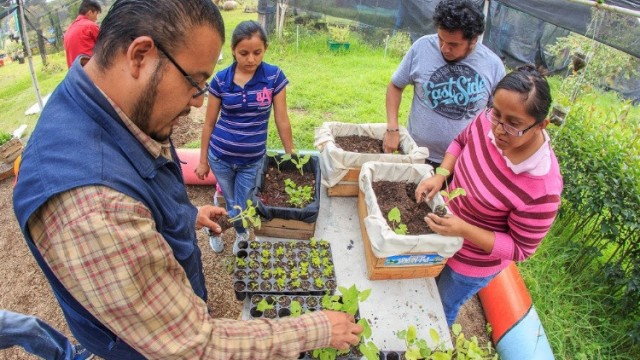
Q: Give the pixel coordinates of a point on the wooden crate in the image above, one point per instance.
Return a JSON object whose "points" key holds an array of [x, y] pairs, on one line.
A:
{"points": [[348, 186], [389, 268], [10, 150], [289, 229], [6, 170]]}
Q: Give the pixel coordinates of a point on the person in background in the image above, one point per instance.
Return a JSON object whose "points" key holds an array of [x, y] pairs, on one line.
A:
{"points": [[509, 171], [81, 36], [453, 76], [104, 209], [38, 338], [234, 135]]}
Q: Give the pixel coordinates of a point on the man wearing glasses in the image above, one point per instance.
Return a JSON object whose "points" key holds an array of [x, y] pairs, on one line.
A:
{"points": [[102, 204]]}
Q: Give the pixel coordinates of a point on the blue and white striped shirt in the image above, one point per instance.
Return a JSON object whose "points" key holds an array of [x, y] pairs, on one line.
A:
{"points": [[240, 134]]}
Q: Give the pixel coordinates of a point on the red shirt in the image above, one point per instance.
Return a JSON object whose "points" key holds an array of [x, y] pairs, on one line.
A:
{"points": [[80, 38]]}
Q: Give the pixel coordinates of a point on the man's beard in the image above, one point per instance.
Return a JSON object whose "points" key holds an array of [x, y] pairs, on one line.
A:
{"points": [[141, 115]]}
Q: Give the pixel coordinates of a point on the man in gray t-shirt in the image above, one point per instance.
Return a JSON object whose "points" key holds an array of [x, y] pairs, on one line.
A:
{"points": [[453, 77]]}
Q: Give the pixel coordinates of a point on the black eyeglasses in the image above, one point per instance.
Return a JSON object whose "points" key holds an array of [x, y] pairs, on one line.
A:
{"points": [[507, 128], [201, 90]]}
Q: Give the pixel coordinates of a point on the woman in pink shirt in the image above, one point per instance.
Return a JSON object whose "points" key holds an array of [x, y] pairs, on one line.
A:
{"points": [[505, 162]]}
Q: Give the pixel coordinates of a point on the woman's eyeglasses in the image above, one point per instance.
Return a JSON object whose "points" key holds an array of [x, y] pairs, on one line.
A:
{"points": [[200, 90], [507, 128]]}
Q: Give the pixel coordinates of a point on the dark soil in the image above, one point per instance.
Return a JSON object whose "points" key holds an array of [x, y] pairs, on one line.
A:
{"points": [[273, 189], [359, 144], [402, 195]]}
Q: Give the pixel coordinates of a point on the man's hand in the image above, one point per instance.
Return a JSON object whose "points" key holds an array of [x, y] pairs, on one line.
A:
{"points": [[391, 141], [206, 216], [429, 187], [344, 330]]}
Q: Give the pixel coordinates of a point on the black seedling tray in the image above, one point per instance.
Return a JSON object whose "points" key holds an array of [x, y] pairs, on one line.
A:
{"points": [[260, 275]]}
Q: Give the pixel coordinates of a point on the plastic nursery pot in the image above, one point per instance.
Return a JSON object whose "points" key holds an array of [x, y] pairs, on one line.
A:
{"points": [[284, 312], [239, 287], [243, 244]]}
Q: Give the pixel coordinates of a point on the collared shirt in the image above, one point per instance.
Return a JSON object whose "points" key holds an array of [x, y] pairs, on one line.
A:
{"points": [[240, 134], [103, 247]]}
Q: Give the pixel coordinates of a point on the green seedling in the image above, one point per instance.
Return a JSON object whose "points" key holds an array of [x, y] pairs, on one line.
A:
{"points": [[318, 282], [348, 302], [295, 307], [463, 348], [249, 216], [241, 262], [450, 195], [396, 223], [274, 156], [299, 196], [299, 162], [264, 305]]}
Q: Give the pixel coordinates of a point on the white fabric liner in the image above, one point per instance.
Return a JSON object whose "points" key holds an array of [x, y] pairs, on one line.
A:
{"points": [[385, 242], [335, 162]]}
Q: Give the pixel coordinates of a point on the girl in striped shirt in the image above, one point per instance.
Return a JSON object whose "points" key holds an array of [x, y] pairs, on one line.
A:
{"points": [[505, 162]]}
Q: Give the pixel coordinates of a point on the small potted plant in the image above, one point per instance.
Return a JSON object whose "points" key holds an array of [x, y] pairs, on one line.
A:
{"points": [[338, 40]]}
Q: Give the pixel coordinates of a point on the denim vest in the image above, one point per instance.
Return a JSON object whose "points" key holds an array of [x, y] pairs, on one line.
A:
{"points": [[80, 141]]}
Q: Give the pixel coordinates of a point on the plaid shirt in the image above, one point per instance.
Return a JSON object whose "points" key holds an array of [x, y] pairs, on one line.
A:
{"points": [[104, 248]]}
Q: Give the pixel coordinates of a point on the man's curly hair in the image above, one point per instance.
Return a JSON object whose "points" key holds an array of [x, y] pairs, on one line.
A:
{"points": [[464, 15]]}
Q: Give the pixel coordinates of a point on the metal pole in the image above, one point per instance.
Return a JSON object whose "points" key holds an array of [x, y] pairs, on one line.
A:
{"points": [[485, 11], [612, 8], [25, 40]]}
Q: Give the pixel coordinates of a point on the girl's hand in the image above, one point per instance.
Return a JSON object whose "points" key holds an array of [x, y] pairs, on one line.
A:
{"points": [[429, 187], [201, 171], [448, 225]]}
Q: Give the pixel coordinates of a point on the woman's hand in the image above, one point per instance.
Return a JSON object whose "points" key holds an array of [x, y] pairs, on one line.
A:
{"points": [[201, 171], [429, 187], [448, 225]]}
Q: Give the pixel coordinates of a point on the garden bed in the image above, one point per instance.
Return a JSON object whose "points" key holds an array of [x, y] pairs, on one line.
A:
{"points": [[341, 168], [282, 218]]}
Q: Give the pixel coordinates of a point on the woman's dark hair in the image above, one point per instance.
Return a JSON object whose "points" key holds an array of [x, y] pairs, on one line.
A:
{"points": [[245, 30], [533, 87], [89, 5], [463, 15], [168, 22]]}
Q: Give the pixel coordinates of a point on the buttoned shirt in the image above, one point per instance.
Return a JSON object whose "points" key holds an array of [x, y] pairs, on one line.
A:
{"points": [[104, 248]]}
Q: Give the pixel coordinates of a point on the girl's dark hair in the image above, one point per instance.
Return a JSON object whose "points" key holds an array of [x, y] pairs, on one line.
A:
{"points": [[463, 15], [245, 30], [168, 22], [534, 88]]}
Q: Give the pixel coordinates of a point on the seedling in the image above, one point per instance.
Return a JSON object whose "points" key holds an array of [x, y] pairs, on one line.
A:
{"points": [[295, 308], [299, 196], [274, 156], [241, 262], [348, 302], [450, 195], [396, 222], [264, 305], [318, 282], [249, 216], [464, 349], [299, 162]]}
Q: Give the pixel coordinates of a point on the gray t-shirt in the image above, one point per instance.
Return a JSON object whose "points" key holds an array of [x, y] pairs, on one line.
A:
{"points": [[446, 96]]}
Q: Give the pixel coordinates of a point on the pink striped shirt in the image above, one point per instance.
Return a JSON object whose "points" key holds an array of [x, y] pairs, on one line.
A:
{"points": [[518, 208]]}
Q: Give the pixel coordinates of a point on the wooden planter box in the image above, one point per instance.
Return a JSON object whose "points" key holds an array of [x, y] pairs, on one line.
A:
{"points": [[426, 260], [345, 165], [290, 223], [403, 266]]}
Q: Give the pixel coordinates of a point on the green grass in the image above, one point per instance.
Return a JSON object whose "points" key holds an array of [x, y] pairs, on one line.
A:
{"points": [[17, 93]]}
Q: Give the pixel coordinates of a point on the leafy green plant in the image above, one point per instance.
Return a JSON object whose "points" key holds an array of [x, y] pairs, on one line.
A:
{"points": [[450, 195], [4, 138], [348, 301], [339, 33], [249, 216], [264, 305], [300, 161], [299, 196], [463, 348], [396, 223], [279, 159]]}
